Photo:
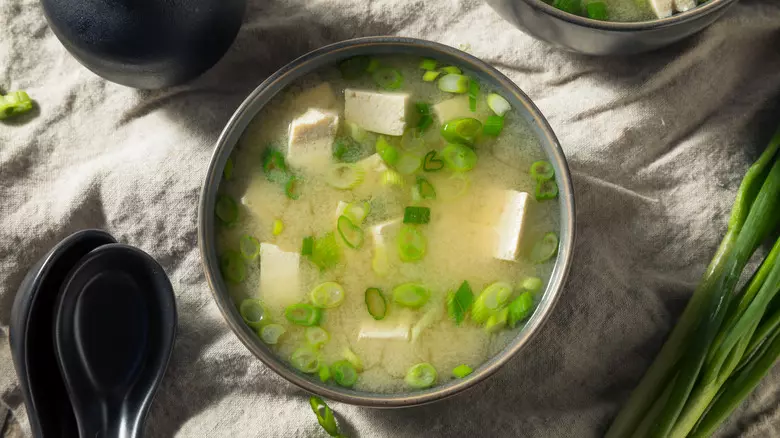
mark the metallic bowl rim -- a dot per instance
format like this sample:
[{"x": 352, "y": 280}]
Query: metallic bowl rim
[
  {"x": 229, "y": 138},
  {"x": 710, "y": 6}
]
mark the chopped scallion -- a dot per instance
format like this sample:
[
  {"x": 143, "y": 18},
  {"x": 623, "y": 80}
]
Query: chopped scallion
[
  {"x": 232, "y": 267},
  {"x": 451, "y": 69},
  {"x": 271, "y": 333},
  {"x": 324, "y": 373},
  {"x": 226, "y": 210},
  {"x": 293, "y": 187},
  {"x": 421, "y": 376},
  {"x": 349, "y": 232},
  {"x": 542, "y": 170},
  {"x": 227, "y": 172},
  {"x": 274, "y": 166},
  {"x": 570, "y": 6},
  {"x": 344, "y": 176},
  {"x": 278, "y": 227},
  {"x": 458, "y": 157},
  {"x": 249, "y": 247},
  {"x": 532, "y": 284},
  {"x": 493, "y": 126},
  {"x": 459, "y": 302},
  {"x": 376, "y": 303},
  {"x": 303, "y": 314},
  {"x": 521, "y": 308},
  {"x": 545, "y": 249},
  {"x": 373, "y": 65},
  {"x": 431, "y": 163},
  {"x": 498, "y": 104},
  {"x": 253, "y": 313},
  {"x": 462, "y": 371},
  {"x": 344, "y": 373},
  {"x": 454, "y": 83},
  {"x": 316, "y": 336},
  {"x": 413, "y": 295},
  {"x": 430, "y": 76},
  {"x": 324, "y": 413},
  {"x": 388, "y": 78},
  {"x": 327, "y": 295},
  {"x": 326, "y": 251},
  {"x": 307, "y": 246},
  {"x": 417, "y": 215},
  {"x": 597, "y": 11},
  {"x": 425, "y": 188},
  {"x": 473, "y": 94},
  {"x": 411, "y": 244},
  {"x": 14, "y": 104},
  {"x": 462, "y": 131},
  {"x": 392, "y": 178},
  {"x": 387, "y": 151},
  {"x": 357, "y": 211},
  {"x": 491, "y": 300},
  {"x": 546, "y": 190},
  {"x": 497, "y": 320},
  {"x": 306, "y": 360},
  {"x": 428, "y": 64}
]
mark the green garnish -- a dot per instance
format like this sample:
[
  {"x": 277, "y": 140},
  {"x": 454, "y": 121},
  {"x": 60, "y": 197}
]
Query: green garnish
[
  {"x": 316, "y": 336},
  {"x": 431, "y": 163},
  {"x": 305, "y": 359},
  {"x": 344, "y": 176},
  {"x": 545, "y": 249},
  {"x": 326, "y": 252},
  {"x": 413, "y": 295},
  {"x": 462, "y": 371},
  {"x": 411, "y": 244},
  {"x": 473, "y": 94},
  {"x": 454, "y": 83},
  {"x": 249, "y": 246},
  {"x": 14, "y": 104},
  {"x": 373, "y": 65},
  {"x": 421, "y": 376},
  {"x": 253, "y": 313},
  {"x": 271, "y": 333},
  {"x": 542, "y": 171},
  {"x": 425, "y": 188},
  {"x": 451, "y": 69},
  {"x": 570, "y": 6},
  {"x": 462, "y": 131},
  {"x": 349, "y": 232},
  {"x": 387, "y": 151},
  {"x": 408, "y": 164},
  {"x": 324, "y": 415},
  {"x": 428, "y": 64},
  {"x": 597, "y": 11},
  {"x": 531, "y": 284},
  {"x": 354, "y": 67},
  {"x": 226, "y": 210},
  {"x": 357, "y": 211},
  {"x": 392, "y": 178},
  {"x": 376, "y": 303},
  {"x": 492, "y": 299},
  {"x": 344, "y": 373},
  {"x": 293, "y": 187},
  {"x": 497, "y": 320},
  {"x": 521, "y": 308},
  {"x": 308, "y": 246},
  {"x": 327, "y": 295},
  {"x": 459, "y": 302},
  {"x": 324, "y": 373},
  {"x": 232, "y": 267},
  {"x": 493, "y": 126},
  {"x": 388, "y": 78},
  {"x": 278, "y": 227},
  {"x": 352, "y": 358},
  {"x": 417, "y": 215},
  {"x": 274, "y": 166},
  {"x": 303, "y": 314},
  {"x": 498, "y": 104},
  {"x": 430, "y": 76},
  {"x": 227, "y": 172},
  {"x": 425, "y": 116},
  {"x": 458, "y": 157},
  {"x": 546, "y": 190}
]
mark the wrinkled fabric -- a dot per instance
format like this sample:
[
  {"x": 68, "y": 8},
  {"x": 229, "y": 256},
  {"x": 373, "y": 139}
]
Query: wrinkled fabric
[{"x": 657, "y": 145}]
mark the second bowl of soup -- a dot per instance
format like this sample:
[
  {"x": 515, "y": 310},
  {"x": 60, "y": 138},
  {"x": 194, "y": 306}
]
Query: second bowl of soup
[{"x": 386, "y": 221}]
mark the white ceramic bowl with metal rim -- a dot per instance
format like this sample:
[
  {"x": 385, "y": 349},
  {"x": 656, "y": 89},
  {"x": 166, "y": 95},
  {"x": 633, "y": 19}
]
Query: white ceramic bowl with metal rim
[{"x": 331, "y": 55}]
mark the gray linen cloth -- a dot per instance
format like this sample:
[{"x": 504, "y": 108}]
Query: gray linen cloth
[{"x": 657, "y": 144}]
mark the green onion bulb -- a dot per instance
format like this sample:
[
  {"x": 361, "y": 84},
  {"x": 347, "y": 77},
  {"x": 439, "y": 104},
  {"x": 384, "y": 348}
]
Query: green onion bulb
[
  {"x": 253, "y": 313},
  {"x": 498, "y": 104},
  {"x": 462, "y": 131},
  {"x": 454, "y": 83},
  {"x": 491, "y": 300},
  {"x": 303, "y": 314}
]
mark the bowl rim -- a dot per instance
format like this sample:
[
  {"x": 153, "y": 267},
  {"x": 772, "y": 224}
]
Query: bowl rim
[
  {"x": 230, "y": 137},
  {"x": 631, "y": 26}
]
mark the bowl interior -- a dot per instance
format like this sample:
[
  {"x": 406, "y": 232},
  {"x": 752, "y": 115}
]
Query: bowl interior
[{"x": 327, "y": 56}]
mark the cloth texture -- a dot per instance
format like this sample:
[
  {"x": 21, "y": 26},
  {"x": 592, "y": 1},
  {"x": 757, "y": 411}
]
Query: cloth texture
[{"x": 657, "y": 144}]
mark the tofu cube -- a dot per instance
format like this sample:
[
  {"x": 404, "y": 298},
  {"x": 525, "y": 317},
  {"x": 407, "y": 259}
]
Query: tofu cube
[
  {"x": 380, "y": 112},
  {"x": 311, "y": 138},
  {"x": 684, "y": 5},
  {"x": 455, "y": 108},
  {"x": 280, "y": 284},
  {"x": 384, "y": 330},
  {"x": 661, "y": 8},
  {"x": 321, "y": 96},
  {"x": 510, "y": 225}
]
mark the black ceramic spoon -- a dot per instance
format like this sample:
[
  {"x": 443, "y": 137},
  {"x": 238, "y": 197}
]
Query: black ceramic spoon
[
  {"x": 114, "y": 333},
  {"x": 31, "y": 335}
]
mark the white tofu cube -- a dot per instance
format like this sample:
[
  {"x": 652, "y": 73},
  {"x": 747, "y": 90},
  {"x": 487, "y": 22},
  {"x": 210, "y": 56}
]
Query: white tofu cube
[
  {"x": 684, "y": 5},
  {"x": 381, "y": 112},
  {"x": 455, "y": 108},
  {"x": 661, "y": 8},
  {"x": 510, "y": 224},
  {"x": 279, "y": 276},
  {"x": 311, "y": 138},
  {"x": 384, "y": 330},
  {"x": 321, "y": 96}
]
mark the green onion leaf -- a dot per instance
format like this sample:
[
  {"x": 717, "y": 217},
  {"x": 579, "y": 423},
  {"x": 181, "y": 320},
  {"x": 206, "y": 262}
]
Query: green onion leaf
[
  {"x": 454, "y": 83},
  {"x": 351, "y": 233},
  {"x": 278, "y": 227},
  {"x": 531, "y": 284},
  {"x": 249, "y": 247},
  {"x": 431, "y": 163},
  {"x": 423, "y": 108},
  {"x": 227, "y": 172},
  {"x": 253, "y": 313},
  {"x": 425, "y": 121},
  {"x": 425, "y": 188},
  {"x": 324, "y": 415},
  {"x": 326, "y": 252},
  {"x": 14, "y": 104},
  {"x": 545, "y": 249},
  {"x": 324, "y": 373},
  {"x": 387, "y": 151},
  {"x": 376, "y": 303},
  {"x": 546, "y": 190},
  {"x": 491, "y": 300},
  {"x": 344, "y": 373},
  {"x": 232, "y": 267},
  {"x": 354, "y": 67},
  {"x": 451, "y": 69},
  {"x": 497, "y": 320},
  {"x": 521, "y": 308},
  {"x": 570, "y": 6},
  {"x": 306, "y": 359},
  {"x": 462, "y": 371},
  {"x": 271, "y": 333},
  {"x": 345, "y": 176},
  {"x": 303, "y": 314},
  {"x": 388, "y": 78},
  {"x": 459, "y": 302},
  {"x": 430, "y": 76},
  {"x": 428, "y": 64},
  {"x": 316, "y": 336},
  {"x": 328, "y": 295},
  {"x": 308, "y": 246},
  {"x": 458, "y": 157},
  {"x": 408, "y": 164},
  {"x": 498, "y": 104},
  {"x": 473, "y": 94},
  {"x": 274, "y": 166},
  {"x": 421, "y": 376},
  {"x": 462, "y": 131},
  {"x": 417, "y": 215},
  {"x": 293, "y": 187},
  {"x": 373, "y": 65},
  {"x": 597, "y": 11},
  {"x": 493, "y": 126},
  {"x": 226, "y": 210},
  {"x": 542, "y": 171},
  {"x": 412, "y": 295},
  {"x": 411, "y": 244}
]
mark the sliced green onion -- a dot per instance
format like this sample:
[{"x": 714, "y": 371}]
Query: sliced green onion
[
  {"x": 354, "y": 67},
  {"x": 316, "y": 336},
  {"x": 328, "y": 295},
  {"x": 462, "y": 371},
  {"x": 352, "y": 358},
  {"x": 570, "y": 6},
  {"x": 458, "y": 157},
  {"x": 344, "y": 373},
  {"x": 303, "y": 314},
  {"x": 412, "y": 139},
  {"x": 271, "y": 333},
  {"x": 274, "y": 166},
  {"x": 451, "y": 69},
  {"x": 428, "y": 64},
  {"x": 227, "y": 172},
  {"x": 425, "y": 188},
  {"x": 521, "y": 308},
  {"x": 326, "y": 252},
  {"x": 253, "y": 313},
  {"x": 376, "y": 303},
  {"x": 14, "y": 103},
  {"x": 421, "y": 376},
  {"x": 473, "y": 94},
  {"x": 411, "y": 244},
  {"x": 454, "y": 83},
  {"x": 430, "y": 76},
  {"x": 388, "y": 78},
  {"x": 532, "y": 284},
  {"x": 373, "y": 65},
  {"x": 422, "y": 108},
  {"x": 249, "y": 246},
  {"x": 387, "y": 151},
  {"x": 324, "y": 414},
  {"x": 345, "y": 176},
  {"x": 308, "y": 246},
  {"x": 408, "y": 164},
  {"x": 413, "y": 295},
  {"x": 459, "y": 302},
  {"x": 426, "y": 120},
  {"x": 431, "y": 163},
  {"x": 497, "y": 320},
  {"x": 546, "y": 190},
  {"x": 498, "y": 104},
  {"x": 545, "y": 249},
  {"x": 232, "y": 267},
  {"x": 493, "y": 126},
  {"x": 417, "y": 215},
  {"x": 324, "y": 373},
  {"x": 306, "y": 360},
  {"x": 597, "y": 11},
  {"x": 392, "y": 178},
  {"x": 278, "y": 227},
  {"x": 491, "y": 300},
  {"x": 293, "y": 187},
  {"x": 349, "y": 232},
  {"x": 357, "y": 211},
  {"x": 462, "y": 131},
  {"x": 226, "y": 210},
  {"x": 542, "y": 171}
]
